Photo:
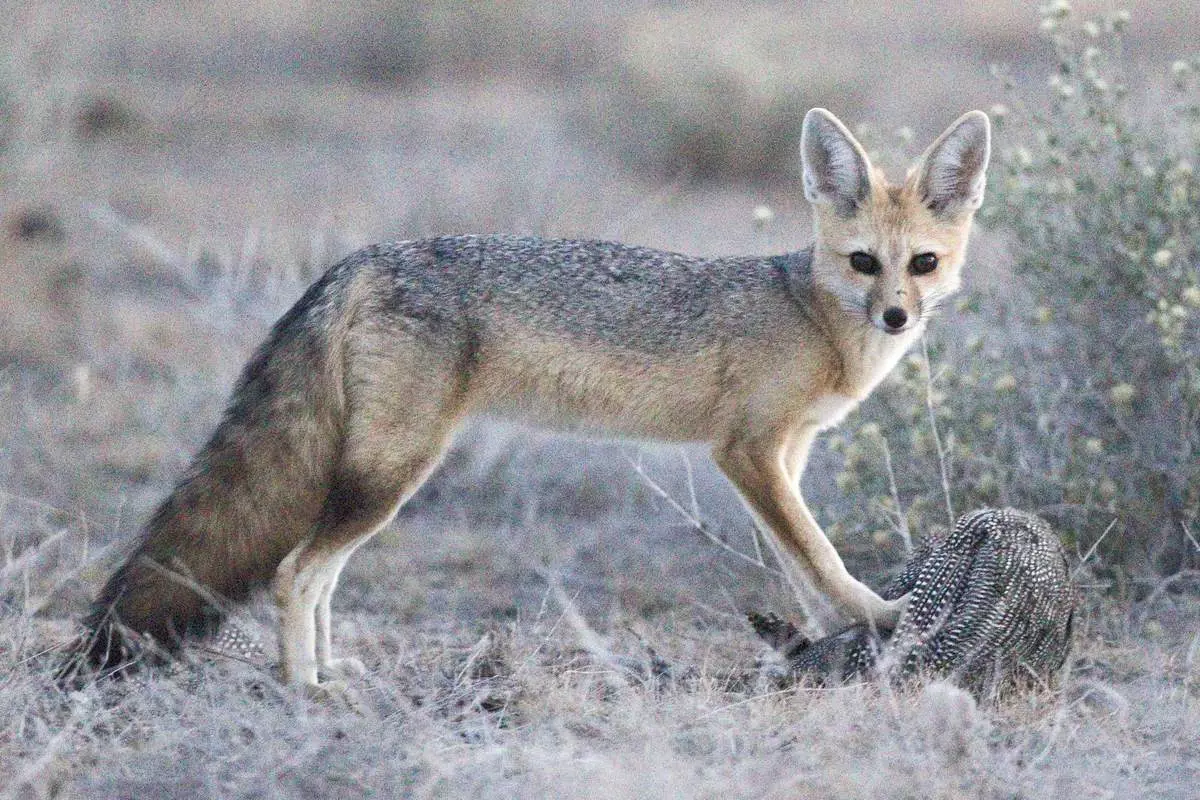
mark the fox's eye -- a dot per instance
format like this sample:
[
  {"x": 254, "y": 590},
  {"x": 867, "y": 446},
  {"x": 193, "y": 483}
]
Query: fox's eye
[
  {"x": 864, "y": 263},
  {"x": 923, "y": 263}
]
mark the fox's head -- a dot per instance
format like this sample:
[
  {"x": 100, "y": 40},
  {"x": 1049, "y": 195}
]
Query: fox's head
[{"x": 891, "y": 252}]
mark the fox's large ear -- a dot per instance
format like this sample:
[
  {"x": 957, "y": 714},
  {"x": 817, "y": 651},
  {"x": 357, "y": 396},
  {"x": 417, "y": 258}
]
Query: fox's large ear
[
  {"x": 952, "y": 173},
  {"x": 836, "y": 169}
]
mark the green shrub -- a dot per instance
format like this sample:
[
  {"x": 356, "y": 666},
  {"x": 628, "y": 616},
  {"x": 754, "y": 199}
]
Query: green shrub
[
  {"x": 1102, "y": 204},
  {"x": 1079, "y": 395}
]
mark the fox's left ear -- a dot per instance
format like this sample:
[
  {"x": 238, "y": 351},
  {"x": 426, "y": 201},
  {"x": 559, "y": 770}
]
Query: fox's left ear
[{"x": 952, "y": 173}]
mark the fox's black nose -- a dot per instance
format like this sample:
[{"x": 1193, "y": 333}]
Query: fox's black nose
[{"x": 895, "y": 317}]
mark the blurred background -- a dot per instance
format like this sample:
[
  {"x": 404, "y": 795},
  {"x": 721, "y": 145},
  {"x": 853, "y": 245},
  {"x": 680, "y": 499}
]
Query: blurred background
[
  {"x": 391, "y": 118},
  {"x": 173, "y": 174}
]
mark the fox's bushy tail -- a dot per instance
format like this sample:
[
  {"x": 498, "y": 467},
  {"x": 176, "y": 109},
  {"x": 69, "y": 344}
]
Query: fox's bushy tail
[{"x": 251, "y": 494}]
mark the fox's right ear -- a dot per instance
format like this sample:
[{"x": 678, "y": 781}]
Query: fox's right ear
[{"x": 836, "y": 168}]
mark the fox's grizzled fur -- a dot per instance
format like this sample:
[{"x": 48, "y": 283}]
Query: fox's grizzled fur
[{"x": 352, "y": 400}]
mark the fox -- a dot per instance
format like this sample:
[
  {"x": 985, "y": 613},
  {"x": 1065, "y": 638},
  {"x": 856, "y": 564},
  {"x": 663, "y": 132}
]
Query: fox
[{"x": 350, "y": 403}]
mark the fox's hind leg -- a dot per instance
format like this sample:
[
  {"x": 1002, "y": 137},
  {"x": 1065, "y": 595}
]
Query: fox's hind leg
[
  {"x": 404, "y": 391},
  {"x": 400, "y": 412},
  {"x": 358, "y": 505},
  {"x": 327, "y": 665},
  {"x": 306, "y": 577}
]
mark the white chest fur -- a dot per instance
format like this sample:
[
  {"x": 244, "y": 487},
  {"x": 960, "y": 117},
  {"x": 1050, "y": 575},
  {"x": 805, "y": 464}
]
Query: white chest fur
[
  {"x": 830, "y": 409},
  {"x": 873, "y": 358},
  {"x": 868, "y": 363}
]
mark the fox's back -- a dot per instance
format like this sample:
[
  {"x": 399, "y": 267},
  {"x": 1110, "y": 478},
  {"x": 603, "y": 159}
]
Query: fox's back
[
  {"x": 608, "y": 294},
  {"x": 592, "y": 334}
]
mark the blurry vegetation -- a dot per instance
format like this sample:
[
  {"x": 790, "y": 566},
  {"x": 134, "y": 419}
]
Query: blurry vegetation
[
  {"x": 41, "y": 222},
  {"x": 671, "y": 91},
  {"x": 8, "y": 114},
  {"x": 686, "y": 99},
  {"x": 104, "y": 115},
  {"x": 1080, "y": 396},
  {"x": 1102, "y": 203},
  {"x": 399, "y": 41}
]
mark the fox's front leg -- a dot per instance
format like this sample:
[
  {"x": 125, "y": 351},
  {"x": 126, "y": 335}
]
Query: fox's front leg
[{"x": 766, "y": 470}]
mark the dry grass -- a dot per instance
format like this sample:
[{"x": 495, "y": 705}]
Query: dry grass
[
  {"x": 190, "y": 212},
  {"x": 518, "y": 708}
]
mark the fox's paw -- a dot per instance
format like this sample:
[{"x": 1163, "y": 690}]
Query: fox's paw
[
  {"x": 889, "y": 613},
  {"x": 872, "y": 610},
  {"x": 344, "y": 668},
  {"x": 895, "y": 608}
]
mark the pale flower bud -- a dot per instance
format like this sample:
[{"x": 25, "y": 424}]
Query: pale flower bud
[{"x": 1122, "y": 394}]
